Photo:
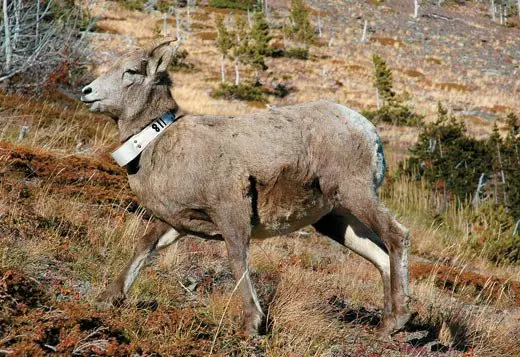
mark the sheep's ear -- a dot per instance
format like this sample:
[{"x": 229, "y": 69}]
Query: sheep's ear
[{"x": 160, "y": 55}]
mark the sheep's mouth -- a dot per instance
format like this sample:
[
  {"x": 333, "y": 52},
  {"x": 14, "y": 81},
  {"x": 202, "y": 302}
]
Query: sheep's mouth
[
  {"x": 94, "y": 105},
  {"x": 89, "y": 102}
]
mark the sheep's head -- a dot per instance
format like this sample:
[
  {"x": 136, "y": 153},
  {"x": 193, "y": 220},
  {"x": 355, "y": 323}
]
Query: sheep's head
[{"x": 136, "y": 86}]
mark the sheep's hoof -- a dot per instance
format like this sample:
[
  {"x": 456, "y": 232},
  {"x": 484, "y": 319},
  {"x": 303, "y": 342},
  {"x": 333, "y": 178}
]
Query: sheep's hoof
[
  {"x": 392, "y": 324},
  {"x": 401, "y": 320},
  {"x": 253, "y": 326},
  {"x": 109, "y": 299}
]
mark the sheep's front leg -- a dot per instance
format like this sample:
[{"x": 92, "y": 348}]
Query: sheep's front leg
[
  {"x": 160, "y": 236},
  {"x": 237, "y": 253},
  {"x": 234, "y": 224}
]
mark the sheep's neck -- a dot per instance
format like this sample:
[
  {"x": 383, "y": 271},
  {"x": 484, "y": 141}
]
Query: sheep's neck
[{"x": 159, "y": 103}]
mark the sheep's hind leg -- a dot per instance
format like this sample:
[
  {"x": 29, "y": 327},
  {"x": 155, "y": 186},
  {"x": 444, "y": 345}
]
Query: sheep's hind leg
[
  {"x": 350, "y": 232},
  {"x": 160, "y": 236},
  {"x": 373, "y": 214}
]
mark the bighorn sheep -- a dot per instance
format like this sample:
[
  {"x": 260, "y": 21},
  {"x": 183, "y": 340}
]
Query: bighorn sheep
[{"x": 257, "y": 175}]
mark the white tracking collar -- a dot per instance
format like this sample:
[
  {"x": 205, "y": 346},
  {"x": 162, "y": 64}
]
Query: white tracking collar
[{"x": 137, "y": 143}]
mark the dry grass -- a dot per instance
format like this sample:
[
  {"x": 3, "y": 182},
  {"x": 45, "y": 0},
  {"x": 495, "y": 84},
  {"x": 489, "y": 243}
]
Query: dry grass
[
  {"x": 319, "y": 298},
  {"x": 55, "y": 125},
  {"x": 386, "y": 41},
  {"x": 70, "y": 224}
]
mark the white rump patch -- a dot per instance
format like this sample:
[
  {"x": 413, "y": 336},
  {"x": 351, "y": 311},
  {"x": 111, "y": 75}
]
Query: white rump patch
[{"x": 369, "y": 130}]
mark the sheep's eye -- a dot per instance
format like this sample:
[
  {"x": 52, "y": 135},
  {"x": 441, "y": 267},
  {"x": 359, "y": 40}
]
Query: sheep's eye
[{"x": 131, "y": 71}]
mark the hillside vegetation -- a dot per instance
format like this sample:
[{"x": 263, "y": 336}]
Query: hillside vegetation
[{"x": 69, "y": 221}]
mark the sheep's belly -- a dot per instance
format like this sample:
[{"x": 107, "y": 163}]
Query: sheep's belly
[{"x": 288, "y": 218}]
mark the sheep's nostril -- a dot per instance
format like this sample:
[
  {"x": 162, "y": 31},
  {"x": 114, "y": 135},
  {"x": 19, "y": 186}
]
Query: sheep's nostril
[{"x": 86, "y": 90}]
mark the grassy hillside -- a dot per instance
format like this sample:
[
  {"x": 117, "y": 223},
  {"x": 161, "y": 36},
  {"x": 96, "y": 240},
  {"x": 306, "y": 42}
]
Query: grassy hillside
[{"x": 69, "y": 222}]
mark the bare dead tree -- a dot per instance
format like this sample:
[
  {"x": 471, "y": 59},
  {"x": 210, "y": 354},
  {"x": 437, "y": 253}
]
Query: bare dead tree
[
  {"x": 36, "y": 40},
  {"x": 331, "y": 36},
  {"x": 188, "y": 17},
  {"x": 178, "y": 23},
  {"x": 320, "y": 32},
  {"x": 502, "y": 175},
  {"x": 364, "y": 36},
  {"x": 37, "y": 20},
  {"x": 478, "y": 191},
  {"x": 7, "y": 38}
]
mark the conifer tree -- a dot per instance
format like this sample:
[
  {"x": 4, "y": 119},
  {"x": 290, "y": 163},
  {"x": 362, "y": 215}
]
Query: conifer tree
[
  {"x": 393, "y": 108},
  {"x": 224, "y": 44},
  {"x": 301, "y": 26},
  {"x": 259, "y": 46},
  {"x": 512, "y": 139},
  {"x": 383, "y": 80},
  {"x": 512, "y": 124},
  {"x": 260, "y": 35},
  {"x": 495, "y": 147}
]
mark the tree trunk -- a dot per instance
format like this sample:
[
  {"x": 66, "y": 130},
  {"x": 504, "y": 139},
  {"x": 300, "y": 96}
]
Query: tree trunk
[
  {"x": 415, "y": 9},
  {"x": 178, "y": 24},
  {"x": 222, "y": 70},
  {"x": 378, "y": 105},
  {"x": 503, "y": 177},
  {"x": 8, "y": 49},
  {"x": 16, "y": 32},
  {"x": 237, "y": 73},
  {"x": 492, "y": 9},
  {"x": 320, "y": 34},
  {"x": 476, "y": 198},
  {"x": 364, "y": 37},
  {"x": 189, "y": 15},
  {"x": 331, "y": 40},
  {"x": 518, "y": 8},
  {"x": 38, "y": 21}
]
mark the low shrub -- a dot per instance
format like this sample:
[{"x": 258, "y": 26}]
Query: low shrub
[
  {"x": 492, "y": 234},
  {"x": 281, "y": 90},
  {"x": 297, "y": 52},
  {"x": 132, "y": 4},
  {"x": 395, "y": 113},
  {"x": 179, "y": 61},
  {"x": 244, "y": 91},
  {"x": 234, "y": 4}
]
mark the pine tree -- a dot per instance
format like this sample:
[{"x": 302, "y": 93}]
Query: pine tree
[
  {"x": 445, "y": 154},
  {"x": 393, "y": 109},
  {"x": 260, "y": 35},
  {"x": 301, "y": 26},
  {"x": 259, "y": 46},
  {"x": 512, "y": 124},
  {"x": 224, "y": 44},
  {"x": 383, "y": 80}
]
